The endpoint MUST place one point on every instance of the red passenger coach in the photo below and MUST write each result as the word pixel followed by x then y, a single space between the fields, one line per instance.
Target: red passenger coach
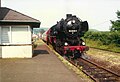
pixel 45 36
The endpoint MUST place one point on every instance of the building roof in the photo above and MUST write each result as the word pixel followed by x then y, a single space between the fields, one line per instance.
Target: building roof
pixel 9 16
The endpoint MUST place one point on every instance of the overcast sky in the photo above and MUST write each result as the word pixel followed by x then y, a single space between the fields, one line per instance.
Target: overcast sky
pixel 98 13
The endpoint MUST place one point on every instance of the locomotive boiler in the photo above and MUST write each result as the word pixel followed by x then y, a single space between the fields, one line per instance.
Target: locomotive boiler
pixel 66 36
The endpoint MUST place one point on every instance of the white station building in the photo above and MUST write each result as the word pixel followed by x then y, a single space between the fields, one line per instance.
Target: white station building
pixel 16 34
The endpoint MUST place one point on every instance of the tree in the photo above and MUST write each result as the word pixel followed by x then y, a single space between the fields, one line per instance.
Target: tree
pixel 42 31
pixel 116 24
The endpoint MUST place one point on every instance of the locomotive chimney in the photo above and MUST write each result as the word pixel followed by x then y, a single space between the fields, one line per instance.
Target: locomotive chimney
pixel 68 15
pixel 74 15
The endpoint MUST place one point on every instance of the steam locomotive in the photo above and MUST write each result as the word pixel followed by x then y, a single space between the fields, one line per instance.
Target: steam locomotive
pixel 65 36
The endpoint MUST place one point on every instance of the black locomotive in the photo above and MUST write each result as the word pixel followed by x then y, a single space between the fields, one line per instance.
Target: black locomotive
pixel 65 36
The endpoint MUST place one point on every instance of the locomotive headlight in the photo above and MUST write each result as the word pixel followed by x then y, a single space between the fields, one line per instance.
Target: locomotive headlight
pixel 66 44
pixel 83 43
pixel 69 23
pixel 73 21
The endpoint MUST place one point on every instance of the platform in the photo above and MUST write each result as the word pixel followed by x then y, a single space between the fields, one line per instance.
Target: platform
pixel 43 67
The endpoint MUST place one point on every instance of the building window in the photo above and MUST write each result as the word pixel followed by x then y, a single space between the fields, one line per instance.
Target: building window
pixel 5 34
pixel 15 35
pixel 0 35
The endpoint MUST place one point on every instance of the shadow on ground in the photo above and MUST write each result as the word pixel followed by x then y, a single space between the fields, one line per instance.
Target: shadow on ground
pixel 40 52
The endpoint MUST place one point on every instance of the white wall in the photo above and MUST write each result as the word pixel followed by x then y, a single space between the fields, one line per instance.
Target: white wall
pixel 17 51
pixel 20 37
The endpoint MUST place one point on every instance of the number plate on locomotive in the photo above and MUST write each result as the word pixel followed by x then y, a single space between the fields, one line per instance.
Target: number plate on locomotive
pixel 72 30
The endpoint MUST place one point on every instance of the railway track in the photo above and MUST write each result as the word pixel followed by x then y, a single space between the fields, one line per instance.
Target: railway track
pixel 95 72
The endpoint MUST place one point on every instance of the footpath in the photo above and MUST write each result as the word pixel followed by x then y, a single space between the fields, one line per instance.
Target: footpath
pixel 43 67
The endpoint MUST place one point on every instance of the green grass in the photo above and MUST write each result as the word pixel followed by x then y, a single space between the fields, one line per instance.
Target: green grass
pixel 37 42
pixel 99 45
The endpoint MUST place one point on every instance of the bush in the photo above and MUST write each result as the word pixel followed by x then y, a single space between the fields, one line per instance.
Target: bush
pixel 104 40
pixel 105 37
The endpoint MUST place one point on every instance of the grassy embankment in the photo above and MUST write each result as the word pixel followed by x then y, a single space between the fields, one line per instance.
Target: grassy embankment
pixel 109 60
pixel 37 42
pixel 99 45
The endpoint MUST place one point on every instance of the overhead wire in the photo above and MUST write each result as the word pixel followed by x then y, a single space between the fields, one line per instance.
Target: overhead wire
pixel 102 23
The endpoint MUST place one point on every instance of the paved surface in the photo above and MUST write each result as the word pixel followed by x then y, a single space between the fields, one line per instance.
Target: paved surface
pixel 43 67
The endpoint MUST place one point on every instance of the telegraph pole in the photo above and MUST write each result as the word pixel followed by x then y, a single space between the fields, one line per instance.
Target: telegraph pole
pixel 0 3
